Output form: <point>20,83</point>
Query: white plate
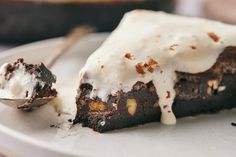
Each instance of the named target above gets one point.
<point>30,134</point>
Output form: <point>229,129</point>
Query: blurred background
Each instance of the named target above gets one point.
<point>24,21</point>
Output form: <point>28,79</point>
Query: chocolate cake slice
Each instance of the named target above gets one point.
<point>156,67</point>
<point>26,81</point>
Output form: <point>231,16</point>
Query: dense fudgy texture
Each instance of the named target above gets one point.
<point>195,94</point>
<point>42,74</point>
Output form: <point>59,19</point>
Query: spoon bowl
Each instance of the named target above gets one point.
<point>22,103</point>
<point>27,104</point>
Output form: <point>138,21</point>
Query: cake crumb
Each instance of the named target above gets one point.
<point>54,126</point>
<point>193,47</point>
<point>233,124</point>
<point>213,36</point>
<point>27,93</point>
<point>57,105</point>
<point>173,46</point>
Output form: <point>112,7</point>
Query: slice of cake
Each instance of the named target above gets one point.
<point>26,81</point>
<point>157,66</point>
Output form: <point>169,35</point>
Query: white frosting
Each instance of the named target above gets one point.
<point>17,86</point>
<point>177,43</point>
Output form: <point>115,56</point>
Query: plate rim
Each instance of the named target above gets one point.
<point>18,49</point>
<point>20,137</point>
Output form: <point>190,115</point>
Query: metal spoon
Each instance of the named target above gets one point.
<point>75,35</point>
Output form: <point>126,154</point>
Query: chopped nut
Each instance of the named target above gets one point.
<point>145,65</point>
<point>151,65</point>
<point>115,106</point>
<point>150,69</point>
<point>99,106</point>
<point>102,123</point>
<point>131,106</point>
<point>152,90</point>
<point>213,36</point>
<point>168,94</point>
<point>152,62</point>
<point>213,84</point>
<point>128,56</point>
<point>148,66</point>
<point>139,68</point>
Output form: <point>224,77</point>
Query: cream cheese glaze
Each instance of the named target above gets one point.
<point>152,46</point>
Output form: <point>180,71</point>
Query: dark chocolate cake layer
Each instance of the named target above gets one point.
<point>203,92</point>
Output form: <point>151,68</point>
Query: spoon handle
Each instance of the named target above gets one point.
<point>75,35</point>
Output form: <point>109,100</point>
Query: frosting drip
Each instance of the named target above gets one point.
<point>152,46</point>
